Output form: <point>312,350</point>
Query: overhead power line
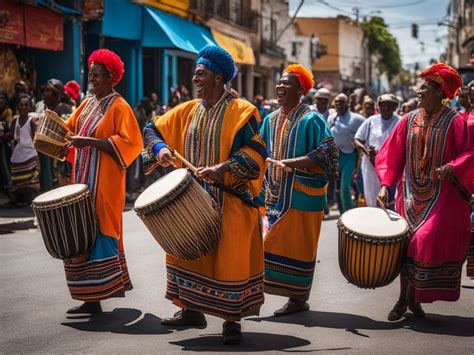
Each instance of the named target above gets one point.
<point>325,3</point>
<point>351,3</point>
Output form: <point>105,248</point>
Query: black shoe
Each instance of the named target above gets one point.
<point>397,311</point>
<point>417,311</point>
<point>231,333</point>
<point>292,306</point>
<point>185,318</point>
<point>86,307</point>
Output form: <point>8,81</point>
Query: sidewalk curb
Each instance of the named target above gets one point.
<point>9,225</point>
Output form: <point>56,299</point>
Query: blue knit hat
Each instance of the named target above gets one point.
<point>217,60</point>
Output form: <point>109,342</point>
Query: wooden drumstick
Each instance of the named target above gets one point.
<point>279,164</point>
<point>382,206</point>
<point>217,184</point>
<point>185,162</point>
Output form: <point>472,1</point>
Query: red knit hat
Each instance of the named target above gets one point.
<point>110,60</point>
<point>444,75</point>
<point>73,89</point>
<point>305,77</point>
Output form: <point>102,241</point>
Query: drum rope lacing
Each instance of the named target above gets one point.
<point>363,267</point>
<point>184,238</point>
<point>53,225</point>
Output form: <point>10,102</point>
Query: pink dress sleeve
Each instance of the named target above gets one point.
<point>463,164</point>
<point>390,160</point>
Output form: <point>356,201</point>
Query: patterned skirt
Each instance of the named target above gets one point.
<point>437,251</point>
<point>228,282</point>
<point>25,175</point>
<point>434,282</point>
<point>470,257</point>
<point>103,275</point>
<point>290,253</point>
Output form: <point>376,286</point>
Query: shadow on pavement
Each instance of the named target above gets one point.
<point>251,342</point>
<point>432,324</point>
<point>16,212</point>
<point>347,321</point>
<point>441,324</point>
<point>120,321</point>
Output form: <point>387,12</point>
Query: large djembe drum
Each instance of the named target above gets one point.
<point>181,215</point>
<point>50,136</point>
<point>67,220</point>
<point>372,246</point>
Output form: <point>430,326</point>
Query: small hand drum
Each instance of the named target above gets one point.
<point>372,246</point>
<point>50,136</point>
<point>181,215</point>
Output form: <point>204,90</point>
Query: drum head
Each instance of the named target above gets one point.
<point>161,188</point>
<point>374,222</point>
<point>60,193</point>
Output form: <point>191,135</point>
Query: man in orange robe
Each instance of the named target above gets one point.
<point>218,133</point>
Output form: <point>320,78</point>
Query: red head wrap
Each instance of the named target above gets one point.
<point>305,77</point>
<point>110,60</point>
<point>73,89</point>
<point>444,75</point>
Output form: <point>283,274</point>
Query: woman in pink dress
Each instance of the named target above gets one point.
<point>424,156</point>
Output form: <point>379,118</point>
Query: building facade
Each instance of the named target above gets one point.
<point>343,67</point>
<point>460,48</point>
<point>160,39</point>
<point>39,40</point>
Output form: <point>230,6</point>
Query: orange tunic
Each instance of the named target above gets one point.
<point>104,274</point>
<point>228,282</point>
<point>120,127</point>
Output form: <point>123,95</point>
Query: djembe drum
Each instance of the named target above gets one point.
<point>67,220</point>
<point>372,246</point>
<point>181,215</point>
<point>50,136</point>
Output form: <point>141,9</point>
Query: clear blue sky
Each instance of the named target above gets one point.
<point>399,15</point>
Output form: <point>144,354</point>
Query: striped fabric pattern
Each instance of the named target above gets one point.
<point>445,276</point>
<point>425,148</point>
<point>25,175</point>
<point>97,280</point>
<point>470,257</point>
<point>87,125</point>
<point>202,142</point>
<point>231,300</point>
<point>288,277</point>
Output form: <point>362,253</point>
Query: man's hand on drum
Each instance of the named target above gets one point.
<point>445,172</point>
<point>213,174</point>
<point>383,195</point>
<point>165,157</point>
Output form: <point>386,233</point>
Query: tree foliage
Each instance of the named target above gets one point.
<point>383,44</point>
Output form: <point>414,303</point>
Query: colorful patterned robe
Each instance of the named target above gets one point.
<point>104,273</point>
<point>434,209</point>
<point>295,201</point>
<point>228,282</point>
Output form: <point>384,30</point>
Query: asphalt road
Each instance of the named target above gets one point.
<point>342,319</point>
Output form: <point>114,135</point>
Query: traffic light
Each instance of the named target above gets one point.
<point>414,30</point>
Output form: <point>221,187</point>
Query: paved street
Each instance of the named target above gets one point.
<point>343,318</point>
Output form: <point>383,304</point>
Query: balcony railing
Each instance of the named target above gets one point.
<point>235,11</point>
<point>270,48</point>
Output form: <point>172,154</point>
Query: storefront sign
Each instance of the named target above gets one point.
<point>31,26</point>
<point>11,23</point>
